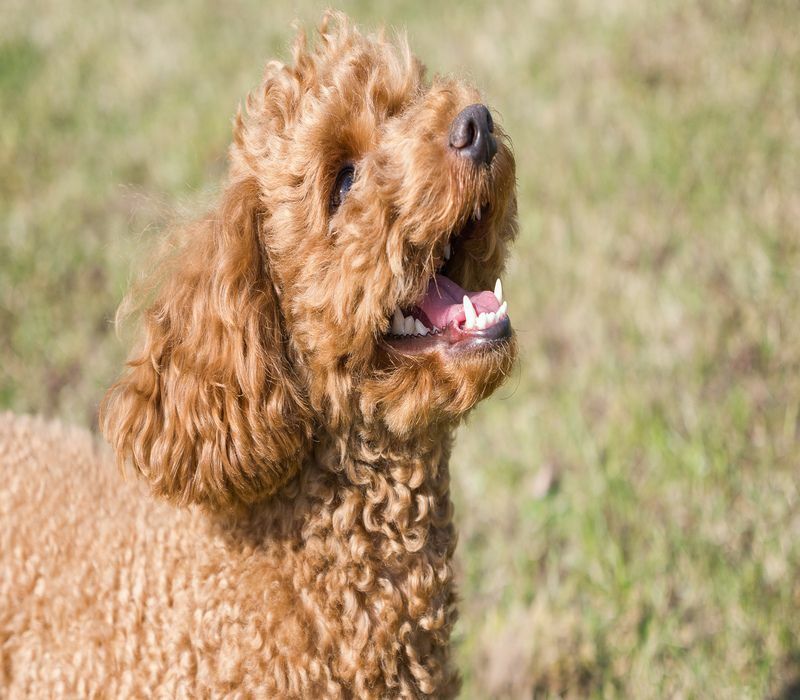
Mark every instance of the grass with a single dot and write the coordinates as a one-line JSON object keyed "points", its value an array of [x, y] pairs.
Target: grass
{"points": [[628, 504]]}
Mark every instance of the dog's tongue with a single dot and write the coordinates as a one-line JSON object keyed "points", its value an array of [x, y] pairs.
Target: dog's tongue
{"points": [[444, 302]]}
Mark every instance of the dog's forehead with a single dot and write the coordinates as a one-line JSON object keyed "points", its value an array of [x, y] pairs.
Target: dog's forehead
{"points": [[366, 70]]}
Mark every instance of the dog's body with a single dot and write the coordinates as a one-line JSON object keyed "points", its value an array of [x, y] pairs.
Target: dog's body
{"points": [[341, 587], [304, 360]]}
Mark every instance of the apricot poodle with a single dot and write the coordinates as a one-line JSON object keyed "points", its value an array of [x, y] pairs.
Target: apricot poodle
{"points": [[306, 352]]}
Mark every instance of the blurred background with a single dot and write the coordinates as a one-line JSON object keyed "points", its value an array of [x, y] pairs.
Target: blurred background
{"points": [[628, 502]]}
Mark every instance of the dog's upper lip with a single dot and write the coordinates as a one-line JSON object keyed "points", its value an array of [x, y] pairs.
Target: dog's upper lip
{"points": [[456, 238]]}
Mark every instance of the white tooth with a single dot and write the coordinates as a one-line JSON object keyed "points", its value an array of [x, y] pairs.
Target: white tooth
{"points": [[498, 291], [447, 252], [409, 326], [481, 322], [420, 328], [478, 214], [398, 325], [503, 310], [490, 319], [469, 312]]}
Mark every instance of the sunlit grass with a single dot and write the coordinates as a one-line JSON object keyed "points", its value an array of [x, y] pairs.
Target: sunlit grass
{"points": [[628, 502]]}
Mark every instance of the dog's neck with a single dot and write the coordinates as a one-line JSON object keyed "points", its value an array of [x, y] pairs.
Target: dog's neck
{"points": [[390, 509], [394, 493], [368, 525], [402, 486]]}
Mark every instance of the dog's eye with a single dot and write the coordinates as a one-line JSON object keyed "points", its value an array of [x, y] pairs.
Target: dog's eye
{"points": [[344, 181]]}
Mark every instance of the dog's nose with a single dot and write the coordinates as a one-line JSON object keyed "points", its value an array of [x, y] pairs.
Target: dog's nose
{"points": [[471, 134]]}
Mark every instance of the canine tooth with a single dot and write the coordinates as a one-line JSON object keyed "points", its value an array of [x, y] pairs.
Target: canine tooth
{"points": [[498, 291], [478, 214], [503, 310], [469, 312], [447, 251], [420, 328], [398, 323], [409, 325]]}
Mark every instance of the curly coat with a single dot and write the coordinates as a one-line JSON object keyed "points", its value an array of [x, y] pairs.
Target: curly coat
{"points": [[313, 555]]}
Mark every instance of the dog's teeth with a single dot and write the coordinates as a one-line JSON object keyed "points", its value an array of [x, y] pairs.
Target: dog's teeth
{"points": [[490, 319], [420, 328], [480, 323], [409, 326], [469, 312], [398, 325], [503, 310], [498, 291], [478, 214], [447, 251]]}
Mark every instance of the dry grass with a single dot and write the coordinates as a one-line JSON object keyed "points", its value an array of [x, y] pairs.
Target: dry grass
{"points": [[629, 505]]}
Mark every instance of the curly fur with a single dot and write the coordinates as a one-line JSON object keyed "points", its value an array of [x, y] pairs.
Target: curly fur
{"points": [[313, 559]]}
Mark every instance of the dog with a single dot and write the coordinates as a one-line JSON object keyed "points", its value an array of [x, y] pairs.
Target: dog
{"points": [[305, 354]]}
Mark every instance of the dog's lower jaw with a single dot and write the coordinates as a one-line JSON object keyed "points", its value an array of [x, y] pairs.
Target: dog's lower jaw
{"points": [[368, 551]]}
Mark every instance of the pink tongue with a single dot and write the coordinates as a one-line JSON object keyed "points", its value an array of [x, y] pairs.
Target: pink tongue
{"points": [[443, 302]]}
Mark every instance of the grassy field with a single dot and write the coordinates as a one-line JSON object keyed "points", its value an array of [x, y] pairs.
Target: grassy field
{"points": [[629, 504]]}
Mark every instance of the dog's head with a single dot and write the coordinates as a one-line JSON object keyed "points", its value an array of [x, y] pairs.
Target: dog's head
{"points": [[349, 276]]}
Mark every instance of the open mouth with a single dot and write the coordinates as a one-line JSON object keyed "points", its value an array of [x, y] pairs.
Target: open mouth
{"points": [[448, 315]]}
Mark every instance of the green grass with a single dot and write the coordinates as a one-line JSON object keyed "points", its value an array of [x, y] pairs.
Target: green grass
{"points": [[628, 504]]}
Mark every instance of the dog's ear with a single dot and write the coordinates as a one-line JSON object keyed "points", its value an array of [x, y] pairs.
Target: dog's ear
{"points": [[209, 408]]}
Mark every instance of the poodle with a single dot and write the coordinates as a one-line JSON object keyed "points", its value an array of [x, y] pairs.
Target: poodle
{"points": [[305, 353]]}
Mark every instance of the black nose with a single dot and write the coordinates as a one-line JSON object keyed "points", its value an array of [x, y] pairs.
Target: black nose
{"points": [[471, 134]]}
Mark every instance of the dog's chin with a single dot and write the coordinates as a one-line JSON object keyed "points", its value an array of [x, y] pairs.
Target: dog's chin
{"points": [[438, 383]]}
